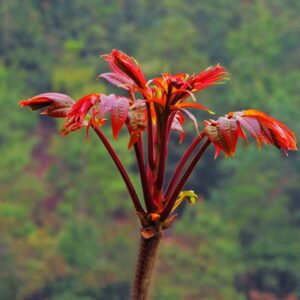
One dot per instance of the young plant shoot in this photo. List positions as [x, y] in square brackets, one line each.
[150, 110]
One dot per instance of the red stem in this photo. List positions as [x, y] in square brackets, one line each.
[170, 202]
[163, 153]
[119, 165]
[151, 159]
[182, 163]
[138, 148]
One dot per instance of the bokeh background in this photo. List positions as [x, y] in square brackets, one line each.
[68, 230]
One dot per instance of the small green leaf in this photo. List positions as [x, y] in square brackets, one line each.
[190, 196]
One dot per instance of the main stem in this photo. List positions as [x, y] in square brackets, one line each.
[146, 259]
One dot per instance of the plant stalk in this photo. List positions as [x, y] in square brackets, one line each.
[146, 259]
[163, 154]
[124, 174]
[182, 163]
[151, 158]
[138, 148]
[170, 202]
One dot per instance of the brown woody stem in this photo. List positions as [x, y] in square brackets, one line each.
[146, 259]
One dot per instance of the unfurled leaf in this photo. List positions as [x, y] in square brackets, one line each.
[117, 79]
[119, 113]
[106, 104]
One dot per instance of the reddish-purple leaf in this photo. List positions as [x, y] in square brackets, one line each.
[119, 113]
[177, 125]
[229, 128]
[106, 104]
[224, 132]
[58, 104]
[216, 136]
[117, 79]
[252, 125]
[193, 119]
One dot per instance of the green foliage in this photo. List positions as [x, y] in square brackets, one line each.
[67, 227]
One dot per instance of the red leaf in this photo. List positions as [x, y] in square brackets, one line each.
[229, 128]
[208, 77]
[216, 136]
[192, 117]
[76, 117]
[224, 132]
[117, 79]
[58, 104]
[193, 105]
[125, 65]
[119, 113]
[253, 126]
[106, 104]
[177, 125]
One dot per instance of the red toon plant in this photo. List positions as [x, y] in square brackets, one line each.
[154, 108]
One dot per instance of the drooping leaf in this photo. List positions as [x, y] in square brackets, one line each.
[58, 104]
[253, 127]
[193, 119]
[229, 128]
[216, 136]
[177, 125]
[224, 132]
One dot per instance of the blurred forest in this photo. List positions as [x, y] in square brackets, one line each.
[68, 230]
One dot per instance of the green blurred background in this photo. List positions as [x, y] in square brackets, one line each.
[68, 229]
